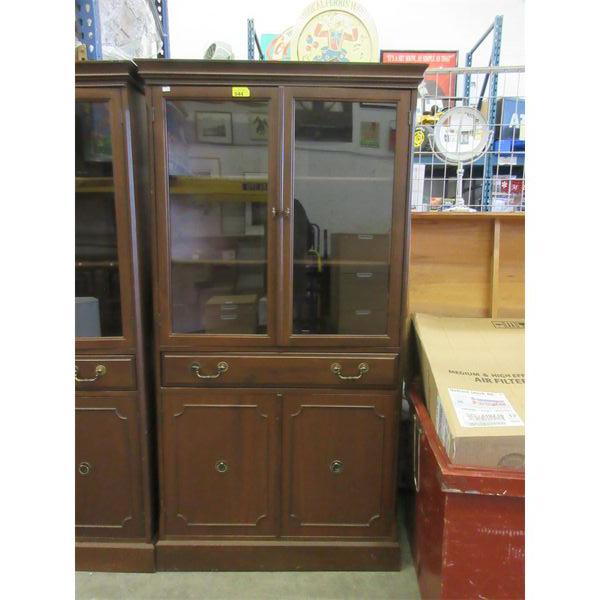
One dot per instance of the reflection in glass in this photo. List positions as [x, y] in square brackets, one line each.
[218, 172]
[97, 293]
[343, 188]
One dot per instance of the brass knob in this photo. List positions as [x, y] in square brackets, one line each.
[84, 468]
[222, 367]
[280, 213]
[363, 368]
[336, 466]
[100, 371]
[221, 466]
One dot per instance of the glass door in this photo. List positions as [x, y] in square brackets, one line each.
[217, 235]
[345, 191]
[102, 270]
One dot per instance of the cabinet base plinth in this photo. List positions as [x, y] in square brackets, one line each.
[124, 557]
[180, 555]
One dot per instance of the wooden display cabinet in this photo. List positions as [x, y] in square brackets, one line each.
[113, 504]
[280, 268]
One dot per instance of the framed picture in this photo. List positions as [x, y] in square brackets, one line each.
[440, 86]
[369, 134]
[259, 126]
[214, 127]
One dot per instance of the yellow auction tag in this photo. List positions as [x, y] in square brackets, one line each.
[240, 92]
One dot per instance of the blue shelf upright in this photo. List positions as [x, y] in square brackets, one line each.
[87, 20]
[251, 33]
[488, 170]
[163, 17]
[496, 28]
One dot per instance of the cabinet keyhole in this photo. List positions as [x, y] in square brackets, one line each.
[336, 467]
[84, 468]
[221, 466]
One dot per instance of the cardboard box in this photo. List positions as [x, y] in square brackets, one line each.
[231, 314]
[474, 380]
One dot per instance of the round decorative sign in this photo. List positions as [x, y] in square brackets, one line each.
[335, 31]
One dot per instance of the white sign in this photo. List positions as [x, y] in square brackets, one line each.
[483, 409]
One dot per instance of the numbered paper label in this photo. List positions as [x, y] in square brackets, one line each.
[240, 92]
[483, 409]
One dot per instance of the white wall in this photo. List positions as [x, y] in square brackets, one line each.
[401, 24]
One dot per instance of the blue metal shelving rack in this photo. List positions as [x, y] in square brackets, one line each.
[87, 26]
[488, 165]
[163, 17]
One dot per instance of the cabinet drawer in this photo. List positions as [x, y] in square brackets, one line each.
[361, 247]
[105, 372]
[301, 370]
[363, 321]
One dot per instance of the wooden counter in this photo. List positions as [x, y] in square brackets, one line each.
[468, 264]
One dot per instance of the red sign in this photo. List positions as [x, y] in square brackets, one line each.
[437, 85]
[511, 186]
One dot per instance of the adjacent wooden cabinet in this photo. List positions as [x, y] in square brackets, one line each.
[280, 252]
[114, 512]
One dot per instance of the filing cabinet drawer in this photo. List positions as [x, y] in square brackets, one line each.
[270, 369]
[105, 373]
[363, 321]
[364, 288]
[360, 247]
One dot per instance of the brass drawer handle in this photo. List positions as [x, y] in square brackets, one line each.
[363, 368]
[100, 372]
[222, 367]
[336, 466]
[84, 468]
[221, 466]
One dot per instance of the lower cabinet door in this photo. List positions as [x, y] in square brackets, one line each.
[338, 465]
[220, 452]
[108, 469]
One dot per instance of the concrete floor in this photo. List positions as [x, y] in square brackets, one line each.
[319, 585]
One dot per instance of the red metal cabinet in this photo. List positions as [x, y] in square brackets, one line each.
[467, 525]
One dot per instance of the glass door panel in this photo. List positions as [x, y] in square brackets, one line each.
[343, 190]
[218, 156]
[97, 289]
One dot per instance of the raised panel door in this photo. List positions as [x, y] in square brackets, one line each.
[108, 499]
[220, 456]
[338, 464]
